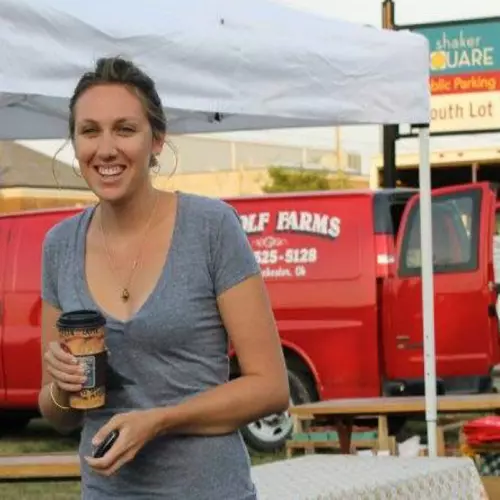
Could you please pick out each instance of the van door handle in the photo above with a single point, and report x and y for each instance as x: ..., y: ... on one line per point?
x: 492, y: 310
x: 402, y: 341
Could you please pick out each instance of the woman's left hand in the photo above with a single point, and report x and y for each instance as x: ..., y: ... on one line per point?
x: 136, y: 429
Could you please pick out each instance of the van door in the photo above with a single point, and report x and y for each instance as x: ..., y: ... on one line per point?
x: 22, y: 305
x: 466, y: 326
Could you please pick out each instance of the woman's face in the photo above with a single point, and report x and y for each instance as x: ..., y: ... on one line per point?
x: 113, y: 141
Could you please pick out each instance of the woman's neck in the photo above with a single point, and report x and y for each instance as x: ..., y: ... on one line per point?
x: 130, y: 215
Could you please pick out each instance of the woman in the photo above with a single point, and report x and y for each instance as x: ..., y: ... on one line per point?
x: 176, y: 279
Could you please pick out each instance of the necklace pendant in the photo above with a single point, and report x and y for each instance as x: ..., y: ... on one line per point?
x: 125, y: 295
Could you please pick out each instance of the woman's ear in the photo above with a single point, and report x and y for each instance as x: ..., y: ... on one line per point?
x: 153, y: 162
x: 158, y: 143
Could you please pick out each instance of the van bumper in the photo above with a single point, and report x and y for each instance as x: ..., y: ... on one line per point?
x: 452, y: 385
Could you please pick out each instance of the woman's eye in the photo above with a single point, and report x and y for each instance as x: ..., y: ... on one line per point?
x: 127, y: 130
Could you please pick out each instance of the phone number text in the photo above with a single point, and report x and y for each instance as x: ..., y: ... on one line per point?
x: 288, y: 256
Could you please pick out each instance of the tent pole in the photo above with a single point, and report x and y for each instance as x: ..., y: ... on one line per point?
x: 428, y: 290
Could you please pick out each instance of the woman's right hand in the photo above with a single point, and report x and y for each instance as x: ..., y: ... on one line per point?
x: 66, y: 372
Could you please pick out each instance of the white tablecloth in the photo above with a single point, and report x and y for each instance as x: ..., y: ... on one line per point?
x: 344, y: 477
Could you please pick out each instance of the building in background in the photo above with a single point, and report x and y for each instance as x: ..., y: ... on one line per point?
x: 447, y: 168
x: 220, y: 168
x: 30, y: 179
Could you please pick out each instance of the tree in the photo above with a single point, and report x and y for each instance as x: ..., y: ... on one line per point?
x: 287, y: 180
x: 340, y: 181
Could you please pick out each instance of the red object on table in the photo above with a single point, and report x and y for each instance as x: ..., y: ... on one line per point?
x: 483, y: 430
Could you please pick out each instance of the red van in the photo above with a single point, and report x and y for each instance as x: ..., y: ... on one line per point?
x: 343, y: 274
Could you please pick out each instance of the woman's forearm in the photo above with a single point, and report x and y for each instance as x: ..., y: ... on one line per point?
x: 225, y: 408
x: 63, y: 420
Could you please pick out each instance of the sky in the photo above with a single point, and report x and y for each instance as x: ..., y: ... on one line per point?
x: 365, y: 140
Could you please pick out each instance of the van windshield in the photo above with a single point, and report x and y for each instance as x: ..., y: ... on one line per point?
x: 455, y: 230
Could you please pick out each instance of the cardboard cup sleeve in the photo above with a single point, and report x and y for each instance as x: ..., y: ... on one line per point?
x: 83, y: 334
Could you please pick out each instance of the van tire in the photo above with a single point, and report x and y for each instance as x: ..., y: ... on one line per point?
x: 271, y: 433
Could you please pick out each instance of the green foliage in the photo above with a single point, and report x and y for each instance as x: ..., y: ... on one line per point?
x: 287, y: 180
x: 340, y: 181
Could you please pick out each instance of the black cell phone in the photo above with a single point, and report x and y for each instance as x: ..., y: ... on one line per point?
x: 106, y: 444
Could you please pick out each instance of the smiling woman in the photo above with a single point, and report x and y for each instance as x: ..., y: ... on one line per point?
x: 176, y: 279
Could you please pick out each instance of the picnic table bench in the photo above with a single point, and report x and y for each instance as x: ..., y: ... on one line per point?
x: 38, y: 467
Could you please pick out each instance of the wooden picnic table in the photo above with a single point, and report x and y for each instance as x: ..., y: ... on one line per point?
x: 344, y: 411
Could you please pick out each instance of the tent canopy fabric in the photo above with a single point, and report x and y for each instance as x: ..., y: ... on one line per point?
x: 220, y: 65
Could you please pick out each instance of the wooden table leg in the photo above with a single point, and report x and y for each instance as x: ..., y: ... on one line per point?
x: 297, y: 429
x: 297, y: 424
x: 441, y: 442
x: 383, y: 434
x: 344, y: 430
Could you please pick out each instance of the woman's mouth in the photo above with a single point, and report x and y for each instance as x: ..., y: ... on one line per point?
x: 110, y: 171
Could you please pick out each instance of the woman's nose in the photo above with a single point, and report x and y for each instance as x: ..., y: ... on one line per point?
x: 106, y: 146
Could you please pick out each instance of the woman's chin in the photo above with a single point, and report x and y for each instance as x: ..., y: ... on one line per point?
x: 115, y: 191
x: 111, y: 194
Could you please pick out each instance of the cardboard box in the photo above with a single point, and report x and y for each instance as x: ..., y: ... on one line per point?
x: 492, y: 485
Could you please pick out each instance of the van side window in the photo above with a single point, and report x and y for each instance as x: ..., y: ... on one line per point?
x: 455, y: 232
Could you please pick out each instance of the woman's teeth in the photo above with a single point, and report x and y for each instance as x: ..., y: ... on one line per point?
x: 109, y: 171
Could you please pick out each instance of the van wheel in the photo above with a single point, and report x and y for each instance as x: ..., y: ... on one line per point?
x: 270, y: 433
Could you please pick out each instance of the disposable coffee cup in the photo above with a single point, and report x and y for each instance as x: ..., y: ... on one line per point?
x: 82, y: 332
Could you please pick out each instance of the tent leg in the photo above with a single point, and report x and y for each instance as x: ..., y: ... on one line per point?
x: 428, y: 290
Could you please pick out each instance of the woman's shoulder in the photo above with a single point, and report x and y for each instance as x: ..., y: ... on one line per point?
x: 67, y: 228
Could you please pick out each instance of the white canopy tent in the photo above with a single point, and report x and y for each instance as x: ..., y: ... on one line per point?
x: 224, y: 65
x: 219, y: 64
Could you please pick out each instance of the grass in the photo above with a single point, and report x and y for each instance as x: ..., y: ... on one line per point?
x: 39, y: 438
x: 40, y: 491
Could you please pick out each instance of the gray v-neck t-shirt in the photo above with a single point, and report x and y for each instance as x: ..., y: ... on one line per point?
x: 173, y: 348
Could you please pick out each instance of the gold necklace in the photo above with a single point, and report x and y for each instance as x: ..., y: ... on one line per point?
x: 125, y: 292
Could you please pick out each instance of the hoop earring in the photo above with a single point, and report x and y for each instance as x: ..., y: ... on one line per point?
x: 156, y: 167
x: 53, y: 168
x: 175, y: 152
x: 75, y: 171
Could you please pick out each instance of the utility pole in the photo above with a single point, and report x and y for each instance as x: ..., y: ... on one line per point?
x: 389, y: 132
x: 338, y: 148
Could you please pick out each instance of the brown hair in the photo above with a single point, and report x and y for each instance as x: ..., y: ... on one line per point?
x: 118, y: 70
